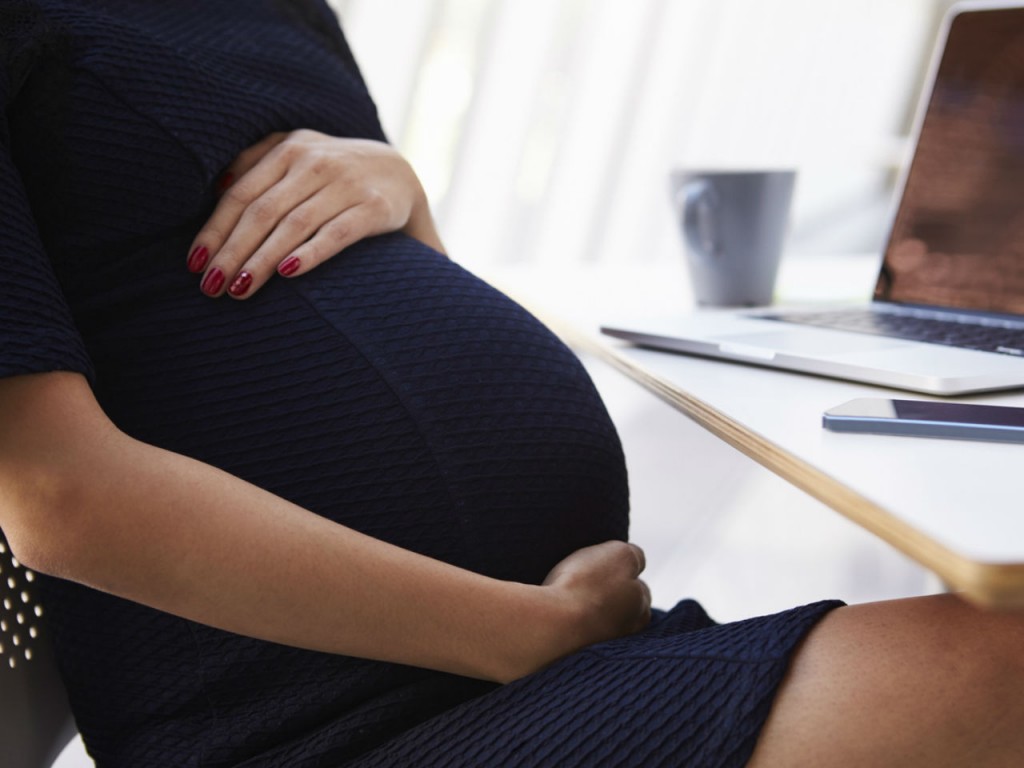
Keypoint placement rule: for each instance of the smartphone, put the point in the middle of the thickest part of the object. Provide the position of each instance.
(927, 418)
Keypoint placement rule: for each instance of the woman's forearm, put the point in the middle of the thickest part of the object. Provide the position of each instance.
(223, 552)
(189, 539)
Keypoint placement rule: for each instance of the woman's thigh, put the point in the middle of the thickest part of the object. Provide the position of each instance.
(923, 681)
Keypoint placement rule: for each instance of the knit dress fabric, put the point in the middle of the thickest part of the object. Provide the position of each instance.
(388, 390)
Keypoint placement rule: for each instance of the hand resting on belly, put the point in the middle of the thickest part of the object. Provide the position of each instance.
(296, 199)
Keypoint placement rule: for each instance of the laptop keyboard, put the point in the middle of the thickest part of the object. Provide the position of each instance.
(954, 333)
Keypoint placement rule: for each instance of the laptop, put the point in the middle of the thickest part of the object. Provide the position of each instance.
(947, 315)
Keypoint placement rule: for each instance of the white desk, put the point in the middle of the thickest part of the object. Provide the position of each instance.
(956, 507)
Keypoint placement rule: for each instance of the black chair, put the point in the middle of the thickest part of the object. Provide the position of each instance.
(35, 719)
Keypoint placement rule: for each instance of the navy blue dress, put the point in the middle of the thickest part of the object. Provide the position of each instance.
(388, 390)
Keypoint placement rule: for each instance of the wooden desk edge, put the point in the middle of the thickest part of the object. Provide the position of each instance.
(991, 585)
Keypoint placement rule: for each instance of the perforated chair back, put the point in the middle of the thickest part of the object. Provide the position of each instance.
(35, 720)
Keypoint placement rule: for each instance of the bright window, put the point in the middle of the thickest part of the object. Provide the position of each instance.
(545, 129)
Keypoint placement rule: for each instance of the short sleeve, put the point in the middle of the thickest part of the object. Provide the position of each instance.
(321, 17)
(37, 332)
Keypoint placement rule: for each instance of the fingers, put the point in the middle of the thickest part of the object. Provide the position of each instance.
(641, 558)
(248, 158)
(643, 617)
(633, 557)
(603, 581)
(645, 613)
(626, 556)
(307, 235)
(637, 562)
(348, 227)
(271, 227)
(634, 602)
(253, 198)
(301, 199)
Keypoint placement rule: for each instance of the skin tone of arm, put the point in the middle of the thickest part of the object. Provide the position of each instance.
(294, 200)
(81, 500)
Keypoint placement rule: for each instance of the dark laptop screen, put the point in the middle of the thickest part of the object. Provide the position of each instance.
(958, 238)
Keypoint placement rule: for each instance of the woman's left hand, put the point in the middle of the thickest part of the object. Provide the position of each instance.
(294, 200)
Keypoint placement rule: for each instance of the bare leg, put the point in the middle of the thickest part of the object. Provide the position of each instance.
(926, 681)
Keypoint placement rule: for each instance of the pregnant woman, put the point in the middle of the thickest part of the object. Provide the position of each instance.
(309, 494)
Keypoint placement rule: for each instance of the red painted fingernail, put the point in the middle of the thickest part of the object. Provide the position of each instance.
(240, 284)
(213, 282)
(289, 266)
(225, 181)
(197, 259)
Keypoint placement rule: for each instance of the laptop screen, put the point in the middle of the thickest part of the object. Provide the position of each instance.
(958, 237)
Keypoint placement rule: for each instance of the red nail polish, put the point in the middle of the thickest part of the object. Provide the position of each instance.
(213, 282)
(289, 266)
(240, 284)
(197, 259)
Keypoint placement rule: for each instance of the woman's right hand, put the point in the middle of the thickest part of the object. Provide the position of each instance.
(600, 592)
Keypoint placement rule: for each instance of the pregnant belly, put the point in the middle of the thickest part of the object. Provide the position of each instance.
(388, 390)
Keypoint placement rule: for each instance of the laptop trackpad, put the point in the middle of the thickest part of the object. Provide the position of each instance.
(801, 341)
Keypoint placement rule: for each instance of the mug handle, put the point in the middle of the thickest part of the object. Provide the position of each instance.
(699, 202)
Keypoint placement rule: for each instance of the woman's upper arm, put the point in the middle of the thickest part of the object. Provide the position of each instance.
(51, 426)
(46, 405)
